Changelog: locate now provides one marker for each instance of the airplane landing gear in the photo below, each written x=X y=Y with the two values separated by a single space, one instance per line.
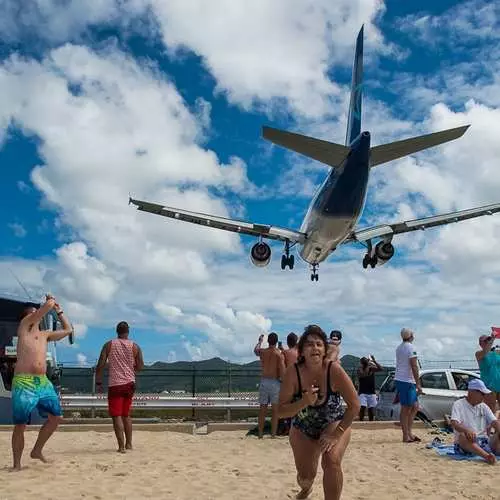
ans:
x=314 y=274
x=369 y=259
x=286 y=258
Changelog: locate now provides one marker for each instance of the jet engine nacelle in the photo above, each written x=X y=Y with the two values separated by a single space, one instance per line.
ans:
x=384 y=251
x=260 y=254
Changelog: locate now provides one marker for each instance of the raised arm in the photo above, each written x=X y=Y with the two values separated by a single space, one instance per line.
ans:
x=138 y=359
x=35 y=317
x=258 y=346
x=101 y=363
x=376 y=367
x=486 y=348
x=66 y=330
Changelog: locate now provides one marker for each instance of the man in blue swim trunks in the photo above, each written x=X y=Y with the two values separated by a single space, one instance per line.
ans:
x=30 y=387
x=407 y=383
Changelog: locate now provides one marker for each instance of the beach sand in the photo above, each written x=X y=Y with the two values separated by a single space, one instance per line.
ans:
x=231 y=466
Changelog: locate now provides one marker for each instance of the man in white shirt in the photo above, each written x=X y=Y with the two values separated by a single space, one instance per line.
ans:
x=472 y=420
x=407 y=384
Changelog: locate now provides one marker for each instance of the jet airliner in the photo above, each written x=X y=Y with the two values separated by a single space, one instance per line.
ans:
x=333 y=214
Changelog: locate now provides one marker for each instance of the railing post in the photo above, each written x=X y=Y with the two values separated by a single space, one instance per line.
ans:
x=92 y=411
x=193 y=387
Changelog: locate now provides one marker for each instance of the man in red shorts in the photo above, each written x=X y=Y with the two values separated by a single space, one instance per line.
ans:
x=124 y=359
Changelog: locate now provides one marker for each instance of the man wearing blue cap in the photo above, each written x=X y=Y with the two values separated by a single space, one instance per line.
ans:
x=477 y=431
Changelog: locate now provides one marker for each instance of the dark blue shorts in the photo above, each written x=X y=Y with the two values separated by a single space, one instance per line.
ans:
x=407 y=393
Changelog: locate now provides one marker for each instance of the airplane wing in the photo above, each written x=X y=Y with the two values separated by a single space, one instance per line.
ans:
x=236 y=226
x=424 y=223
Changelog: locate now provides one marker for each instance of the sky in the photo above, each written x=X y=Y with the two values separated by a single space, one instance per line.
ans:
x=165 y=100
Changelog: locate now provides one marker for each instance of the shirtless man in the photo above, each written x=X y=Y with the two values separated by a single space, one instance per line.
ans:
x=30 y=386
x=273 y=369
x=292 y=353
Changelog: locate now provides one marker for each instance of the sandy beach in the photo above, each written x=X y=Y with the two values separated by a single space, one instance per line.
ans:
x=231 y=466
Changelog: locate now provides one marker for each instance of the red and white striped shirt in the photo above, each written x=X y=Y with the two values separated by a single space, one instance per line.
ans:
x=121 y=361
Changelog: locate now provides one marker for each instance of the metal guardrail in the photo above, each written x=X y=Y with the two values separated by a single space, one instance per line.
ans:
x=157 y=401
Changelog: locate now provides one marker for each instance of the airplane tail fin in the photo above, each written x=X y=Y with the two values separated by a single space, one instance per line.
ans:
x=354 y=116
x=398 y=149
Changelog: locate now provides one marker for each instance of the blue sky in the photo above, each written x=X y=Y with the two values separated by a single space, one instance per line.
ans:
x=166 y=101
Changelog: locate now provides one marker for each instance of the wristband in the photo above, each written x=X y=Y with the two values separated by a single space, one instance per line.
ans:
x=341 y=428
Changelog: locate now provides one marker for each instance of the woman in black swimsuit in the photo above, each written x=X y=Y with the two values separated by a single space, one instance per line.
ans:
x=311 y=393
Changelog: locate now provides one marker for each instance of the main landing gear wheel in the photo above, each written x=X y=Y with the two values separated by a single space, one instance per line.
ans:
x=314 y=274
x=286 y=258
x=368 y=260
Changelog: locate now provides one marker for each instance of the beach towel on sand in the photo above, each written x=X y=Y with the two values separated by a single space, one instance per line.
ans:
x=448 y=450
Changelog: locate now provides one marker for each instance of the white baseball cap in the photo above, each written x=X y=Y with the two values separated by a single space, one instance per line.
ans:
x=476 y=384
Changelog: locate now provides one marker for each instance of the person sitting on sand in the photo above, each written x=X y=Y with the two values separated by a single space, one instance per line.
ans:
x=125 y=359
x=30 y=386
x=471 y=418
x=273 y=368
x=312 y=393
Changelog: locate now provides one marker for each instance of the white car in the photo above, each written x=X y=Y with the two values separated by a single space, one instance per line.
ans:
x=440 y=387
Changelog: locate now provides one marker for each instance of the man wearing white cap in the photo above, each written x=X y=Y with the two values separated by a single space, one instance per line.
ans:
x=471 y=419
x=407 y=384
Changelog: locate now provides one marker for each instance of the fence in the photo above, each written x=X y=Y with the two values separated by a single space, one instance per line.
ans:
x=232 y=380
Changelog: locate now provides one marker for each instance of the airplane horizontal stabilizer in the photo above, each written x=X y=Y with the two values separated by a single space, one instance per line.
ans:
x=394 y=150
x=326 y=152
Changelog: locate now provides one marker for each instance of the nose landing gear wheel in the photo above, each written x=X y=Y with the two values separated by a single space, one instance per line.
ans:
x=286 y=258
x=314 y=274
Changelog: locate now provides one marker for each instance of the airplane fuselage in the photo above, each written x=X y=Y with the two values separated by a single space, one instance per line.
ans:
x=338 y=204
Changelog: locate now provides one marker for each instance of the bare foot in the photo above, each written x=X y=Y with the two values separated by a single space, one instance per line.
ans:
x=16 y=468
x=491 y=459
x=128 y=447
x=121 y=450
x=37 y=455
x=304 y=493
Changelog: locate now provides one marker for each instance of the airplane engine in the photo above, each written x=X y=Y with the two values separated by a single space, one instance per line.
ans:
x=384 y=251
x=260 y=254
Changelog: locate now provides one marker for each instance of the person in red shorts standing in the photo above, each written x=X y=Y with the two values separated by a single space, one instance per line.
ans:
x=124 y=359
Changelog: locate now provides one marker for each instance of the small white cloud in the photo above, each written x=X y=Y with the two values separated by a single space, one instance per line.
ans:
x=18 y=230
x=23 y=187
x=82 y=359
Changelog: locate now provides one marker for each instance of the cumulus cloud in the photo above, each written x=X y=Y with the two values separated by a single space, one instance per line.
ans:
x=82 y=359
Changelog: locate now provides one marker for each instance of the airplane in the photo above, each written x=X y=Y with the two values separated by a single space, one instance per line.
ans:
x=333 y=214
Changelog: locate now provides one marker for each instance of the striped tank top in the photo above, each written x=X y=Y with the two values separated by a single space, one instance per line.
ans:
x=121 y=362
